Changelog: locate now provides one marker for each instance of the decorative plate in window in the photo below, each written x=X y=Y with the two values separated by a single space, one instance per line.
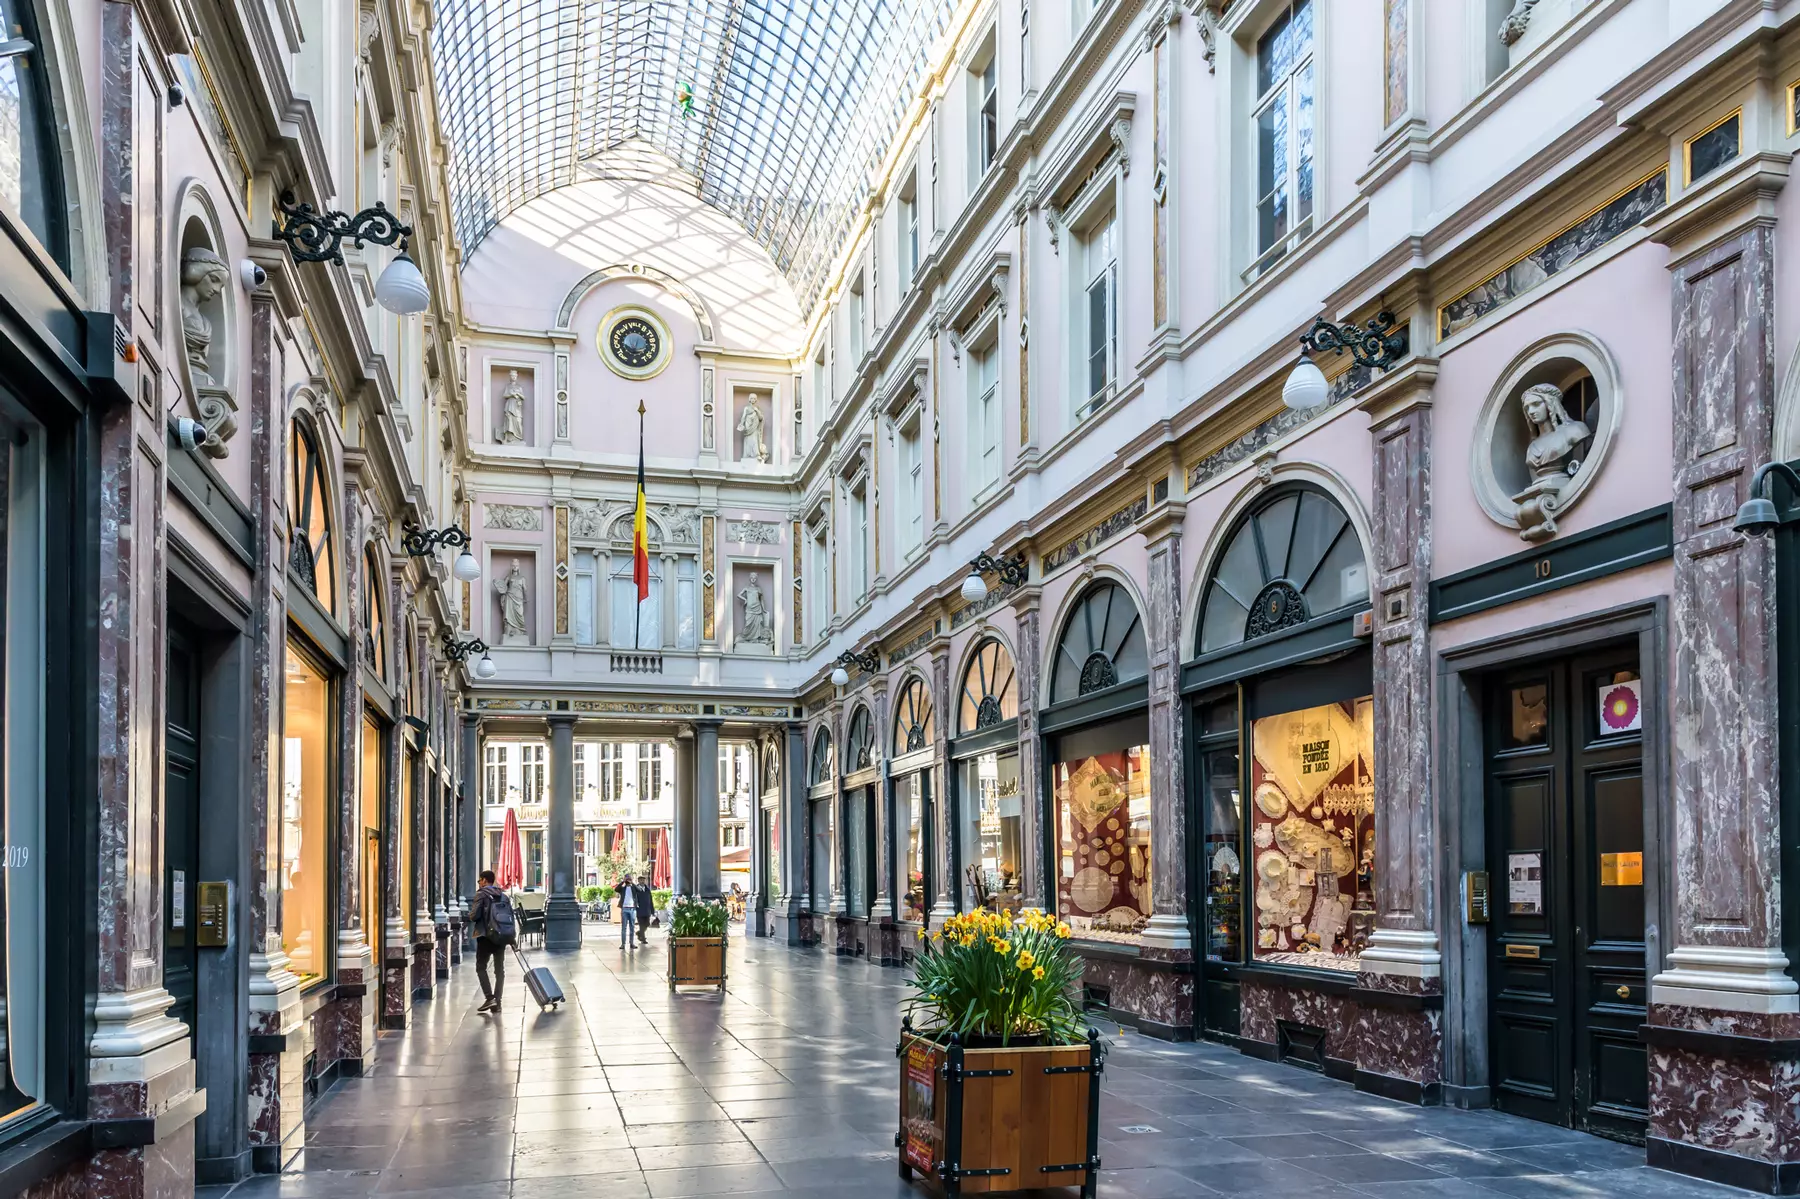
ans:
x=634 y=342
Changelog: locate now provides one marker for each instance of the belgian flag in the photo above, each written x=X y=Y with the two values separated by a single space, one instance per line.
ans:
x=640 y=529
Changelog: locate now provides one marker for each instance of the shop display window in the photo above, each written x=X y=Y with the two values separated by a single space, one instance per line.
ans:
x=1101 y=780
x=22 y=900
x=409 y=766
x=995 y=837
x=771 y=854
x=1313 y=834
x=856 y=857
x=374 y=798
x=306 y=794
x=910 y=803
x=821 y=855
x=1221 y=857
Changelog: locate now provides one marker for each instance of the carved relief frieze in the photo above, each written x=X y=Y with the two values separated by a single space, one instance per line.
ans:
x=518 y=518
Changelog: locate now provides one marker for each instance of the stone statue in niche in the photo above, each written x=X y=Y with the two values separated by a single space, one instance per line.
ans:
x=1554 y=437
x=511 y=590
x=757 y=628
x=512 y=411
x=750 y=424
x=204 y=277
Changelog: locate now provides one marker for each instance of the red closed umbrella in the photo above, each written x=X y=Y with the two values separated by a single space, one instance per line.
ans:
x=509 y=871
x=619 y=840
x=659 y=872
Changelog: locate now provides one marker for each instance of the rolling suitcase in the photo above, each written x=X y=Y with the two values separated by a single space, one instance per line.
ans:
x=540 y=982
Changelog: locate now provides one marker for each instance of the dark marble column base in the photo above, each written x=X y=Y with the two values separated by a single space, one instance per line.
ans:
x=886 y=950
x=456 y=941
x=395 y=991
x=1716 y=1165
x=1725 y=1096
x=562 y=924
x=442 y=951
x=1153 y=994
x=424 y=974
x=1384 y=1033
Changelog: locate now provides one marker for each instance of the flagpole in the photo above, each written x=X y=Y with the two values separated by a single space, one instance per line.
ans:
x=637 y=611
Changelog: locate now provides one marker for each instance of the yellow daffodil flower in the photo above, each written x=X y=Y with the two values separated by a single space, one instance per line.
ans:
x=1038 y=973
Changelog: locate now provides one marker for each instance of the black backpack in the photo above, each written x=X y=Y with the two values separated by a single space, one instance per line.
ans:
x=502 y=924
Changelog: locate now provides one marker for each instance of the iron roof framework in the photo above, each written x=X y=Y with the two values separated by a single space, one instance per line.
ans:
x=779 y=111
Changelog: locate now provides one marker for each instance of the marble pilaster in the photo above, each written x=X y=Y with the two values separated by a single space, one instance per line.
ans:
x=562 y=914
x=794 y=848
x=1168 y=936
x=943 y=829
x=686 y=770
x=1028 y=664
x=706 y=809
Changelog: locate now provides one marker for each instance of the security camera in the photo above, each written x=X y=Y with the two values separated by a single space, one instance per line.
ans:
x=252 y=275
x=177 y=97
x=189 y=433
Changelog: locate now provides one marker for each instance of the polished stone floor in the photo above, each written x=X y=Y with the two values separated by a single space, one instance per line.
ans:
x=786 y=1087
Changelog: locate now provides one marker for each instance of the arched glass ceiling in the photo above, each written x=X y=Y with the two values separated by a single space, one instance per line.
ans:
x=778 y=111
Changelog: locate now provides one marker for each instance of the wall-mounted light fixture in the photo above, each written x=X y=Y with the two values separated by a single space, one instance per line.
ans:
x=868 y=662
x=422 y=543
x=456 y=651
x=314 y=236
x=1012 y=572
x=1377 y=345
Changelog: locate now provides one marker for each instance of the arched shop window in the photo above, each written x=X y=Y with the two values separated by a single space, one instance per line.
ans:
x=312 y=556
x=990 y=690
x=913 y=726
x=859 y=743
x=1292 y=558
x=374 y=616
x=1102 y=645
x=1100 y=774
x=1288 y=843
x=821 y=759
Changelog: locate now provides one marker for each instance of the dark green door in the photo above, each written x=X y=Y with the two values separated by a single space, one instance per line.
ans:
x=181 y=823
x=1567 y=979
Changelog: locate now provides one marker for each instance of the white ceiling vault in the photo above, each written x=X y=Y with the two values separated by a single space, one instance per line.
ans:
x=793 y=106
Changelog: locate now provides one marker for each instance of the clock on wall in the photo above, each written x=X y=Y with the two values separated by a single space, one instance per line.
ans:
x=634 y=342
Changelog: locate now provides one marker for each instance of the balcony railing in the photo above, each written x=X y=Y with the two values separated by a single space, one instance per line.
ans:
x=637 y=664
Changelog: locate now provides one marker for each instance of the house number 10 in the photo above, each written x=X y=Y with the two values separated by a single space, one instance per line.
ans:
x=1541 y=568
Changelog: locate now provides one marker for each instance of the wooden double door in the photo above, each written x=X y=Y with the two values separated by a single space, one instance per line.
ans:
x=1566 y=856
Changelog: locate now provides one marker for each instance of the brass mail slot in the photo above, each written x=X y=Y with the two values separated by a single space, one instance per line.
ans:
x=1522 y=951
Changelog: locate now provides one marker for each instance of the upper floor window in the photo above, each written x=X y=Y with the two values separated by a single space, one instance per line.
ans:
x=1284 y=119
x=818 y=576
x=374 y=615
x=612 y=771
x=911 y=519
x=1097 y=333
x=859 y=539
x=984 y=108
x=858 y=317
x=984 y=416
x=909 y=231
x=650 y=771
x=821 y=387
x=312 y=556
x=30 y=161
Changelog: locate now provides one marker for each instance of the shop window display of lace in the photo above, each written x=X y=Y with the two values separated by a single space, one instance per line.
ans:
x=1313 y=834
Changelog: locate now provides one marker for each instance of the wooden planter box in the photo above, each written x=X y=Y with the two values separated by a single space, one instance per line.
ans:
x=980 y=1121
x=697 y=962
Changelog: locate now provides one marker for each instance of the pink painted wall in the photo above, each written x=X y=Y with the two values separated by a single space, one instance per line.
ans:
x=1619 y=304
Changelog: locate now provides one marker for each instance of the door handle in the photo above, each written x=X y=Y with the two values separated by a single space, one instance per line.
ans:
x=1624 y=992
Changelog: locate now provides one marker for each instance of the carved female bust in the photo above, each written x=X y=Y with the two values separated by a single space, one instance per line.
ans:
x=203 y=276
x=1554 y=433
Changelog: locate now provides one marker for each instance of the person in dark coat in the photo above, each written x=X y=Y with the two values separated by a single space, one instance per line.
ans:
x=645 y=907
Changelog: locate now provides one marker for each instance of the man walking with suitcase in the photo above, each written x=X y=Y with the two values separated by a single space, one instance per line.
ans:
x=496 y=927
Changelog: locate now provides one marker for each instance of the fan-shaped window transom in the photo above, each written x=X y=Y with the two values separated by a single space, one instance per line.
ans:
x=1291 y=558
x=990 y=690
x=913 y=726
x=1102 y=645
x=859 y=743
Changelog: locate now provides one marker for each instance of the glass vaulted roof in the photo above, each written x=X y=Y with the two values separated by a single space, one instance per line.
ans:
x=775 y=111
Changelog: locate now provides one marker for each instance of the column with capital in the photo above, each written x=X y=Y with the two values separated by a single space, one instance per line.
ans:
x=792 y=832
x=1025 y=604
x=562 y=915
x=706 y=809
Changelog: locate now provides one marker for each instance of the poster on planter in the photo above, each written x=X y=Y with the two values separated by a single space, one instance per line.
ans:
x=918 y=1107
x=1313 y=834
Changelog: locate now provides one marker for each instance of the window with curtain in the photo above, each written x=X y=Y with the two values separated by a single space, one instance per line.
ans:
x=531 y=774
x=687 y=603
x=1102 y=645
x=818 y=581
x=859 y=541
x=857 y=316
x=910 y=520
x=308 y=799
x=650 y=771
x=498 y=779
x=908 y=230
x=612 y=772
x=312 y=554
x=1284 y=120
x=647 y=633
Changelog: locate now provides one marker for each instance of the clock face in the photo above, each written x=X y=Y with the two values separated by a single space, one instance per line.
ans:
x=634 y=343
